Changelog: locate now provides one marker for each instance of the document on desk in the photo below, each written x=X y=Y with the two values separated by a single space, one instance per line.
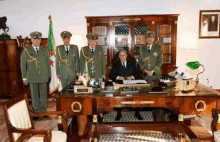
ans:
x=134 y=82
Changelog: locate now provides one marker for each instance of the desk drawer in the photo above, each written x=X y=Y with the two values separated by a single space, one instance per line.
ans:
x=139 y=102
x=75 y=106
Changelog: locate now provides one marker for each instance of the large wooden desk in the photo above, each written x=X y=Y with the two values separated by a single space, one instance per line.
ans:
x=203 y=102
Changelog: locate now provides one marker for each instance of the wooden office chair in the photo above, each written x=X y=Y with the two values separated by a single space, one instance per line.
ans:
x=19 y=122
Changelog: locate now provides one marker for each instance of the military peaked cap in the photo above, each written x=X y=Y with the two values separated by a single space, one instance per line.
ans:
x=36 y=34
x=92 y=36
x=150 y=34
x=65 y=34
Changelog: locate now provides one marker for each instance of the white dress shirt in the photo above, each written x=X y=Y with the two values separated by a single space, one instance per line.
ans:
x=92 y=48
x=67 y=47
x=150 y=46
x=35 y=48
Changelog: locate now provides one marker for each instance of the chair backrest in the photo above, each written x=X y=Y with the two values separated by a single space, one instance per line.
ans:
x=17 y=115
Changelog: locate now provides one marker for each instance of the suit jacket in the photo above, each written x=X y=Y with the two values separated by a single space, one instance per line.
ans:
x=213 y=26
x=35 y=67
x=67 y=65
x=118 y=70
x=151 y=61
x=98 y=59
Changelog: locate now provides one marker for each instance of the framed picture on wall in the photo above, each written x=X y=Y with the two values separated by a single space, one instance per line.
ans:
x=209 y=24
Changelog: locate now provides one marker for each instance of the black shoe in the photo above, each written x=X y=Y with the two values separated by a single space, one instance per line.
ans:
x=118 y=117
x=36 y=118
x=138 y=116
x=46 y=116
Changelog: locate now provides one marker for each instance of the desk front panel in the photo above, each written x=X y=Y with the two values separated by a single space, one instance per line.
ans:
x=89 y=105
x=171 y=103
x=75 y=106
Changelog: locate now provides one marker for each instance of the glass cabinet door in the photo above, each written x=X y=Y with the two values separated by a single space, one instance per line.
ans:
x=139 y=38
x=122 y=38
x=164 y=34
x=101 y=31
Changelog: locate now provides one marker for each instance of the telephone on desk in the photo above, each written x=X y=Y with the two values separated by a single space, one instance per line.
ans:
x=109 y=87
x=170 y=79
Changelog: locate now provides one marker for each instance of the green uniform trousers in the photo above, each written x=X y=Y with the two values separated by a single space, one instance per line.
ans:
x=39 y=96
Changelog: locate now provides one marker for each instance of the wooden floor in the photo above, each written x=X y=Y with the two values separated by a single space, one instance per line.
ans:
x=51 y=123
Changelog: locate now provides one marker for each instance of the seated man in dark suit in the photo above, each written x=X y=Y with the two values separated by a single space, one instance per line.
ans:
x=124 y=70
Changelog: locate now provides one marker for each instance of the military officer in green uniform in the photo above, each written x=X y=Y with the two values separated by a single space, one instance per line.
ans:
x=36 y=72
x=150 y=58
x=92 y=57
x=67 y=60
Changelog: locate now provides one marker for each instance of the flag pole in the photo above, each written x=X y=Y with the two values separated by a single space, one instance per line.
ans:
x=50 y=18
x=54 y=83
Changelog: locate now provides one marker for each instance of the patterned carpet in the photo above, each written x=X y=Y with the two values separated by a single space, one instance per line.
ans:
x=140 y=137
x=128 y=116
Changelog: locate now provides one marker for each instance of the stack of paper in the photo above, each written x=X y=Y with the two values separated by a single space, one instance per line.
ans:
x=134 y=82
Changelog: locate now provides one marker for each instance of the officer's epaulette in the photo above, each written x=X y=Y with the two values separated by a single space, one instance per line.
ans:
x=59 y=46
x=85 y=46
x=73 y=45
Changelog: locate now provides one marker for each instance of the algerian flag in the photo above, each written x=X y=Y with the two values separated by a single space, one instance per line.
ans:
x=85 y=73
x=52 y=54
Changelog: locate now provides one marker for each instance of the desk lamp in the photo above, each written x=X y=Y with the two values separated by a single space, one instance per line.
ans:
x=195 y=65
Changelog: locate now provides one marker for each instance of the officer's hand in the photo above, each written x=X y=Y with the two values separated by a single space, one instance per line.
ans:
x=58 y=77
x=25 y=82
x=104 y=76
x=149 y=73
x=121 y=78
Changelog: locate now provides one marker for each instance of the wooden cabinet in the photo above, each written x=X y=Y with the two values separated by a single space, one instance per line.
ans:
x=11 y=83
x=128 y=33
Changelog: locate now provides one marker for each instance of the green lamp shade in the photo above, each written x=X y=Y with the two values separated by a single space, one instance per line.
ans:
x=193 y=65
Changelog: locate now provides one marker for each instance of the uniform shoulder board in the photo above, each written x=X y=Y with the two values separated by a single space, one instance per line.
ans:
x=84 y=47
x=59 y=46
x=74 y=45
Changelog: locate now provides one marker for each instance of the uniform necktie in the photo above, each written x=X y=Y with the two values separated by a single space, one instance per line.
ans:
x=92 y=51
x=37 y=50
x=67 y=50
x=123 y=64
x=148 y=48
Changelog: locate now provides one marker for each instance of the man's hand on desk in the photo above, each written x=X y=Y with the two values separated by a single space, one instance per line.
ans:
x=149 y=72
x=130 y=78
x=121 y=78
x=104 y=76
